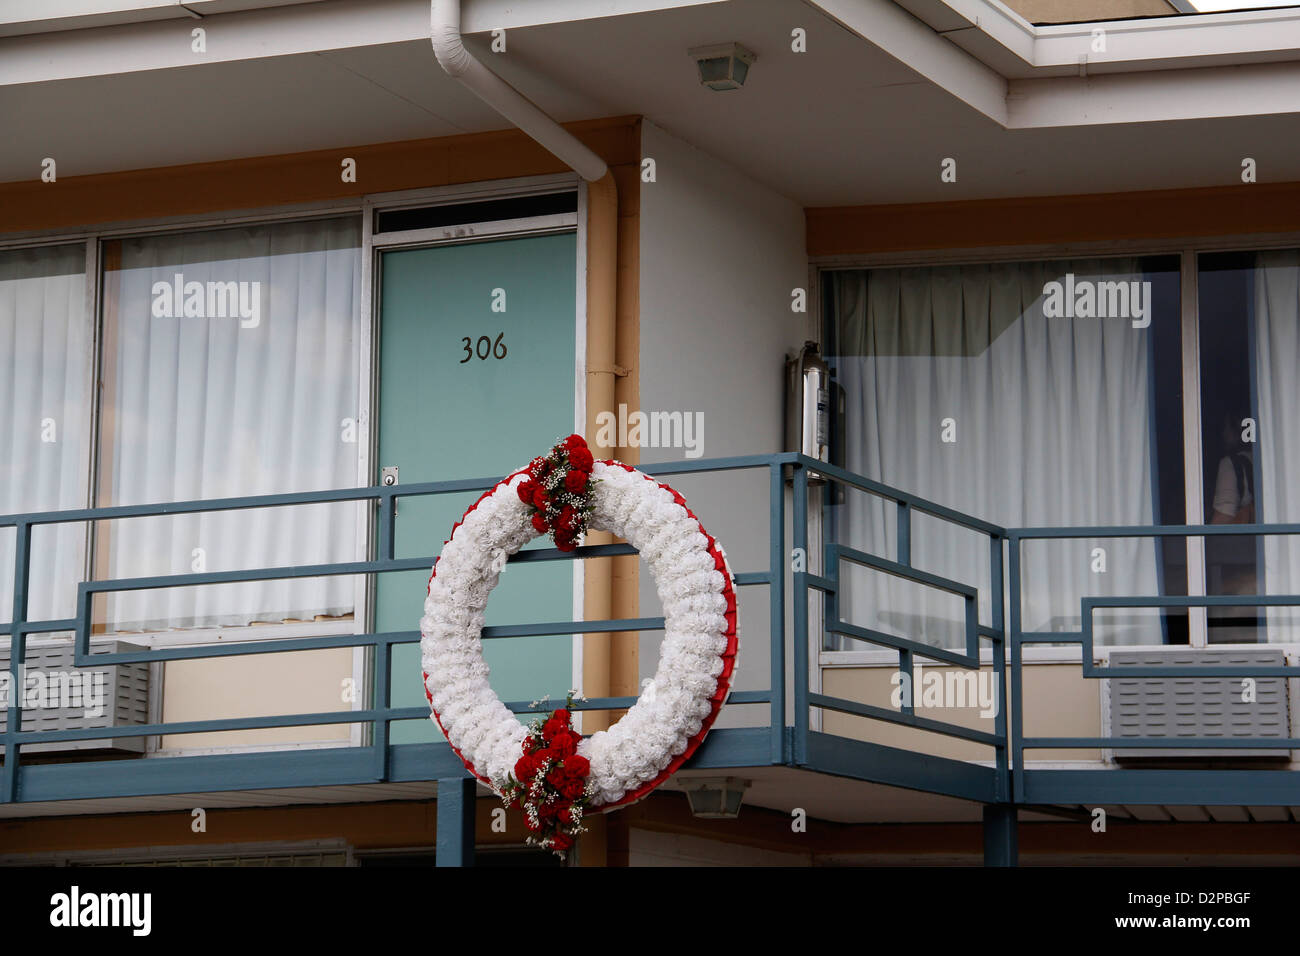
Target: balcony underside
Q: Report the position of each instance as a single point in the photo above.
(845, 780)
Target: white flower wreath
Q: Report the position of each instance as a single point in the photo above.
(697, 657)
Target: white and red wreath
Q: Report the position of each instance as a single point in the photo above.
(547, 770)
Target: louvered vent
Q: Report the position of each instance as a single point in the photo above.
(71, 695)
(1197, 706)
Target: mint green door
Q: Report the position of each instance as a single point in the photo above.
(476, 377)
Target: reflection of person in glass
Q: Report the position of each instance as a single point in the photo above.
(1231, 560)
(1234, 487)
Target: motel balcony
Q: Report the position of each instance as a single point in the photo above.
(914, 667)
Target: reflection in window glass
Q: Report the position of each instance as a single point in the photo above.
(1250, 401)
(230, 368)
(1027, 394)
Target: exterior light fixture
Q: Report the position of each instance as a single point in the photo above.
(723, 66)
(716, 798)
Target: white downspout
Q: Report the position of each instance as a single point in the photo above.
(460, 64)
(609, 665)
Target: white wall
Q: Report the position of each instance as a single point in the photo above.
(720, 255)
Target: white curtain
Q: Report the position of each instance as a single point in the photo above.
(45, 355)
(1277, 363)
(205, 406)
(1051, 420)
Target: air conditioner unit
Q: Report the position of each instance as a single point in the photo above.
(1195, 706)
(71, 697)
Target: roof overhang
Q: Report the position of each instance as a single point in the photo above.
(1023, 76)
(888, 89)
(995, 34)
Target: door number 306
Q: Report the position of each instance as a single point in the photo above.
(485, 348)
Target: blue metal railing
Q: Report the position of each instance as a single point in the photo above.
(1146, 785)
(996, 786)
(379, 753)
(787, 737)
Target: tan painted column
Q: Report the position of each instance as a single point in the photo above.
(609, 661)
(602, 299)
(610, 664)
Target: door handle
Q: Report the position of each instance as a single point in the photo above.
(388, 476)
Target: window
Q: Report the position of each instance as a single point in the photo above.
(1027, 394)
(45, 358)
(972, 386)
(1249, 307)
(230, 366)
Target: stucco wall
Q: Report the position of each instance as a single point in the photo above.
(306, 682)
(720, 255)
(1058, 702)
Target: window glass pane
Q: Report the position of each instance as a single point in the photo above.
(230, 368)
(1250, 401)
(45, 356)
(1026, 394)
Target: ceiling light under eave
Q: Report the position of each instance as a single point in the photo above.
(715, 798)
(723, 66)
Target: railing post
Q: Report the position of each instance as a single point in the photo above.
(1015, 754)
(800, 579)
(999, 657)
(383, 702)
(17, 656)
(456, 801)
(904, 534)
(776, 606)
(1000, 844)
(907, 698)
(829, 596)
(386, 526)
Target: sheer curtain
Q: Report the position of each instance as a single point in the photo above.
(204, 405)
(1277, 369)
(45, 356)
(1051, 419)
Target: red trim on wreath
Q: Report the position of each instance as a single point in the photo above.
(723, 689)
(720, 693)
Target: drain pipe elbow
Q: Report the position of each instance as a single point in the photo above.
(448, 46)
(459, 63)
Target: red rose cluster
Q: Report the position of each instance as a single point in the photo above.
(549, 783)
(558, 491)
